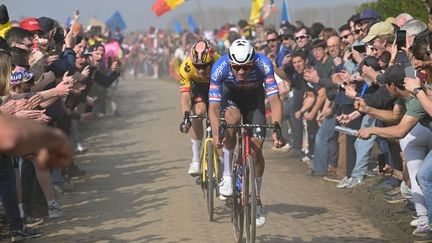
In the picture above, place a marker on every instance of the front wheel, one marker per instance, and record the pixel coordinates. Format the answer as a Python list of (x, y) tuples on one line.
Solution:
[(210, 181), (250, 203), (237, 212)]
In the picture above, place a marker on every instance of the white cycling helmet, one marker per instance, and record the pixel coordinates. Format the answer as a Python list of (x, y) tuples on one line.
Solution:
[(241, 52)]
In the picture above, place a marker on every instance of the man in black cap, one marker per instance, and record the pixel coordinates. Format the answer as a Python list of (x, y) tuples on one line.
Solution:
[(414, 131)]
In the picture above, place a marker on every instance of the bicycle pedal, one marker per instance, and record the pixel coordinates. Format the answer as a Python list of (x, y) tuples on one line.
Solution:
[(198, 180)]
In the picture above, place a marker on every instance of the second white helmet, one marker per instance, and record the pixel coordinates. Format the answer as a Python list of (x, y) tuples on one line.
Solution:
[(241, 52)]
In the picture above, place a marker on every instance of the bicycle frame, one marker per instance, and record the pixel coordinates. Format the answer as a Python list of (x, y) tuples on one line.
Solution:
[(204, 162)]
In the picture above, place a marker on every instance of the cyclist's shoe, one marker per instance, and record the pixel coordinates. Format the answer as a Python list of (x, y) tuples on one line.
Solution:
[(226, 186), (24, 234), (260, 216), (194, 169)]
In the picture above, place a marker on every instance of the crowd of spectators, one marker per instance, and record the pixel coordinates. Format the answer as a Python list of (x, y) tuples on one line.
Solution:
[(370, 75), (53, 78)]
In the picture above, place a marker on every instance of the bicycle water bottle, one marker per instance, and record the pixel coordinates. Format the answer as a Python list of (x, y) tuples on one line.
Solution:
[(239, 178)]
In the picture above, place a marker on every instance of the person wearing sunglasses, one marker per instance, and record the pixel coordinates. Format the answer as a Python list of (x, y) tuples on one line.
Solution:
[(303, 41), (346, 37), (194, 87), (240, 82)]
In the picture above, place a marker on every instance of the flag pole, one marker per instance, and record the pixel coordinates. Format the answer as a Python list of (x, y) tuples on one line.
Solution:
[(201, 25)]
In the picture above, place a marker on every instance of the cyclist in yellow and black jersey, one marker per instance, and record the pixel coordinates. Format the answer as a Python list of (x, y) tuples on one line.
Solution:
[(195, 80)]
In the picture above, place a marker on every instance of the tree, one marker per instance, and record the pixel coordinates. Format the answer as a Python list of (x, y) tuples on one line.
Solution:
[(392, 8)]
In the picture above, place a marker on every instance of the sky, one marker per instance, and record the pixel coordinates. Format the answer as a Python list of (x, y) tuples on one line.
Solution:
[(137, 13)]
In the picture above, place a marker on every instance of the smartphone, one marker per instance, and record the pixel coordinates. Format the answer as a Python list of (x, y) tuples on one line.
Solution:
[(381, 163), (360, 48), (401, 38)]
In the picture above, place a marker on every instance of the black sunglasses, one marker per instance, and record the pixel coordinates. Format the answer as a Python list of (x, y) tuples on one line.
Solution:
[(301, 37), (358, 31), (201, 66), (272, 40), (345, 36), (245, 67)]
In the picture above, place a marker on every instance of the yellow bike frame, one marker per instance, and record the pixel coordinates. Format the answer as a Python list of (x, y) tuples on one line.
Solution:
[(204, 161)]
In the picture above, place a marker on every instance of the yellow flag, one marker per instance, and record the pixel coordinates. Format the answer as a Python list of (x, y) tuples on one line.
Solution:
[(174, 3), (255, 14)]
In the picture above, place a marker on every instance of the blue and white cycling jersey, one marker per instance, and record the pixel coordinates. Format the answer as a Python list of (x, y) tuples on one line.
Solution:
[(261, 73)]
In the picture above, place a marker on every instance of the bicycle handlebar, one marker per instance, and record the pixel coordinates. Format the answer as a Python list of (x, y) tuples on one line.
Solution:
[(277, 129), (187, 123)]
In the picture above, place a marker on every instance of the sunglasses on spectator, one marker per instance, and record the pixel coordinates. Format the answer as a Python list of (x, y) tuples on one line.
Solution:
[(345, 36), (245, 67), (201, 66), (272, 40), (301, 37), (358, 31)]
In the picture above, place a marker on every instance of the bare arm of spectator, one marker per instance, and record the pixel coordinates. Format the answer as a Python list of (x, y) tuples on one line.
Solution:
[(320, 99), (61, 90), (278, 70), (47, 78), (326, 111), (283, 89), (311, 75), (387, 116), (345, 119), (398, 131), (308, 102), (424, 99), (21, 137)]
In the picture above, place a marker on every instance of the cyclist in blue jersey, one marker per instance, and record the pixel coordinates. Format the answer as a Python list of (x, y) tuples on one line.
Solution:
[(239, 83)]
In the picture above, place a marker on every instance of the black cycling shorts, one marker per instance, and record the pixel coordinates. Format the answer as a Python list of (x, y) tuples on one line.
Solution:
[(199, 93), (251, 104)]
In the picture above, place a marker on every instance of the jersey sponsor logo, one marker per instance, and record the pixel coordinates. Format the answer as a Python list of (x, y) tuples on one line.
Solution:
[(247, 84), (214, 86), (218, 71), (187, 67), (265, 67), (270, 80)]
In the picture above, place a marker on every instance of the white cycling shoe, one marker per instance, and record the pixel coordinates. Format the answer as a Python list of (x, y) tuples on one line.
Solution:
[(260, 216), (226, 186), (194, 169)]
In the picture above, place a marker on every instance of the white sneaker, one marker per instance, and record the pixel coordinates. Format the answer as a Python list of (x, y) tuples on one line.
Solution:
[(355, 182), (54, 211), (226, 186), (344, 182), (260, 216), (194, 169), (414, 223), (285, 148)]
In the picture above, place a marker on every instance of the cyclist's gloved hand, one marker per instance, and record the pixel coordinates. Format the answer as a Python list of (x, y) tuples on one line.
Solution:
[(186, 123), (278, 140), (185, 126)]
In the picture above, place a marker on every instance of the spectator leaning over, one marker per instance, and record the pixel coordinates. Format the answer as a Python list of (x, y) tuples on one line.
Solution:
[(422, 91), (414, 131)]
